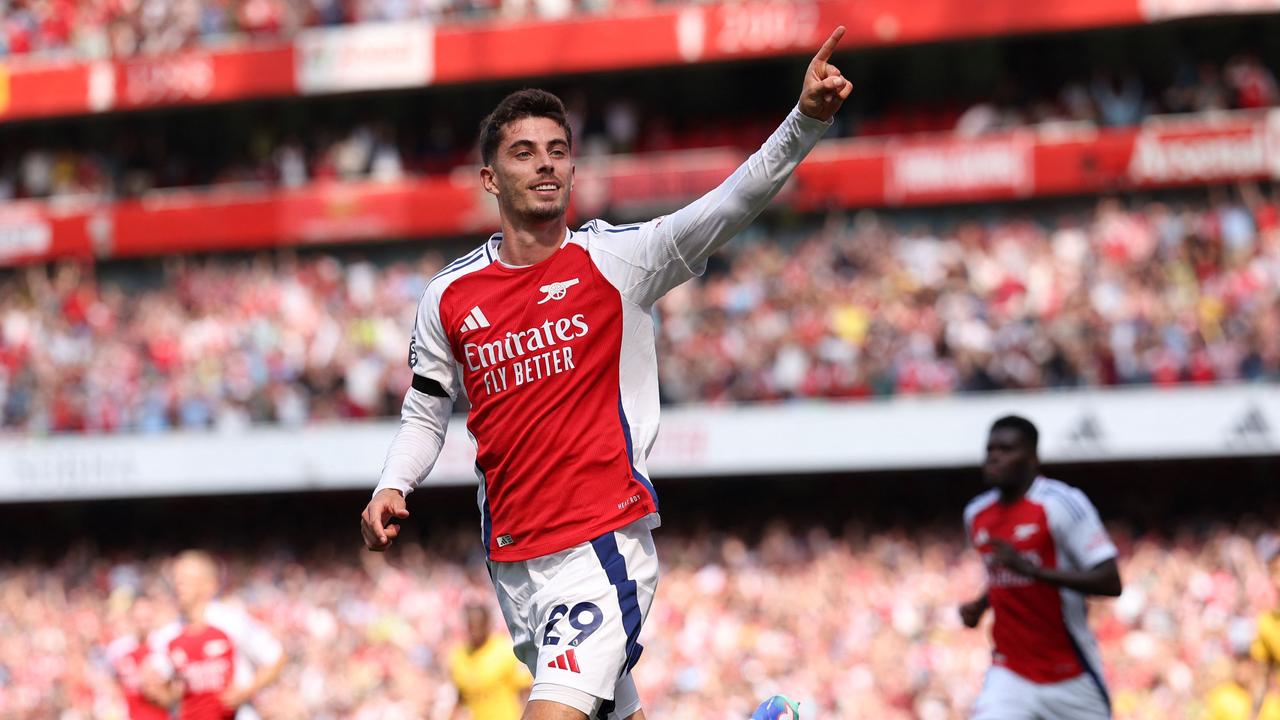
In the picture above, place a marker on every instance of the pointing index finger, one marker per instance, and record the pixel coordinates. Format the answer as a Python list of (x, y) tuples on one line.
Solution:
[(824, 52)]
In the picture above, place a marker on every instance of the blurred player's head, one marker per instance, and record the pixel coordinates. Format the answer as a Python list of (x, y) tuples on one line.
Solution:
[(195, 579), (1011, 453), (526, 146), (145, 616), (478, 626)]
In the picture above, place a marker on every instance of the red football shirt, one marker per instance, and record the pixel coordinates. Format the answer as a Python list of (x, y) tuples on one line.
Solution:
[(1041, 632)]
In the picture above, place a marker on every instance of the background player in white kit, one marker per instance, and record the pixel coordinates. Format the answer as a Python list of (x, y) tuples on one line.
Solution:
[(1045, 548), (550, 334)]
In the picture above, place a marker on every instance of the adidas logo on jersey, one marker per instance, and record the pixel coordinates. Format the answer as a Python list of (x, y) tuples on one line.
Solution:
[(475, 320), (565, 661)]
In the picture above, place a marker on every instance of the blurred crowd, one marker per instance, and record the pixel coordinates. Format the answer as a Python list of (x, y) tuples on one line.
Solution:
[(123, 28), (217, 343), (134, 159), (855, 624), (1154, 293)]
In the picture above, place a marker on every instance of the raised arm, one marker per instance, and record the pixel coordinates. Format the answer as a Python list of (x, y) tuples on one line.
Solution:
[(698, 229), (647, 260)]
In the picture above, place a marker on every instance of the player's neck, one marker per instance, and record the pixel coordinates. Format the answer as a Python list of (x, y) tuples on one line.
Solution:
[(195, 616), (530, 242), (1014, 493)]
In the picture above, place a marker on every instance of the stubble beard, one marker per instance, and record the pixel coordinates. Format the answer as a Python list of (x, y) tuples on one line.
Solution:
[(541, 213)]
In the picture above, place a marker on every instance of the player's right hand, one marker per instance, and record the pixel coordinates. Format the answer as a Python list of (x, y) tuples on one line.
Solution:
[(825, 88), (971, 612), (374, 527)]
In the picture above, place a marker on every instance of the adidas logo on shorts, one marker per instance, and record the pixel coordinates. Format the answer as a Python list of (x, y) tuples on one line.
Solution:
[(565, 661)]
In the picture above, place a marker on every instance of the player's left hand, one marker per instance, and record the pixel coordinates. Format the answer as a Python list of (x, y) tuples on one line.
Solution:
[(825, 89), (1008, 557), (234, 696)]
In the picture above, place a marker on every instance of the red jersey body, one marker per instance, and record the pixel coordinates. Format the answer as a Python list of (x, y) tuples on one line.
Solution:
[(204, 659), (130, 659), (556, 361), (1041, 632)]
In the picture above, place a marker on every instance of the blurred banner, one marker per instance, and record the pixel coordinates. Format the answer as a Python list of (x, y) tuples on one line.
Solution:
[(854, 173), (902, 433), (372, 57), (375, 56)]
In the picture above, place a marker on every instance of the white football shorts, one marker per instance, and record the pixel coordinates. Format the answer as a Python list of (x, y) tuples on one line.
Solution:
[(1007, 695), (575, 615)]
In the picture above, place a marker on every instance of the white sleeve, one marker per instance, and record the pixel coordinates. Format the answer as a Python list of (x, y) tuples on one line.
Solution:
[(159, 644), (646, 261), (424, 415), (1077, 530), (430, 356), (250, 637), (416, 446)]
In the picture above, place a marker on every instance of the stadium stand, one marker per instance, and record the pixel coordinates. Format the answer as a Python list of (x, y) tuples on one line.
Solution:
[(1158, 292)]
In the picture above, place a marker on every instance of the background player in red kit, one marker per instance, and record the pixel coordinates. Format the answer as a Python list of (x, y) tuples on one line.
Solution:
[(549, 332), (139, 663), (218, 657), (1045, 548)]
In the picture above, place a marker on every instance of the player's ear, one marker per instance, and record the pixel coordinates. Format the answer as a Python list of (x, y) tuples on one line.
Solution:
[(489, 180), (573, 170)]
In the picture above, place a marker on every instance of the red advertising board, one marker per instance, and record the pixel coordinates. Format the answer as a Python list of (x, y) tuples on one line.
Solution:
[(838, 173)]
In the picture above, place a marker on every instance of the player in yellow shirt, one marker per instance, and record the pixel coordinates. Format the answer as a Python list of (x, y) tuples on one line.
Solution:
[(1266, 650), (1235, 698), (492, 684)]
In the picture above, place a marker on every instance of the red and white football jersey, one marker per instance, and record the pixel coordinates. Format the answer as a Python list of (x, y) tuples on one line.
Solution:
[(217, 654), (558, 361), (131, 660), (1041, 632)]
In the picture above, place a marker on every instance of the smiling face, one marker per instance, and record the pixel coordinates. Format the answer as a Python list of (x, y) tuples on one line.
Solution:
[(531, 173)]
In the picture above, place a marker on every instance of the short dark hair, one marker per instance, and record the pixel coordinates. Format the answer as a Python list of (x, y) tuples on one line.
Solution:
[(519, 105), (1020, 424)]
